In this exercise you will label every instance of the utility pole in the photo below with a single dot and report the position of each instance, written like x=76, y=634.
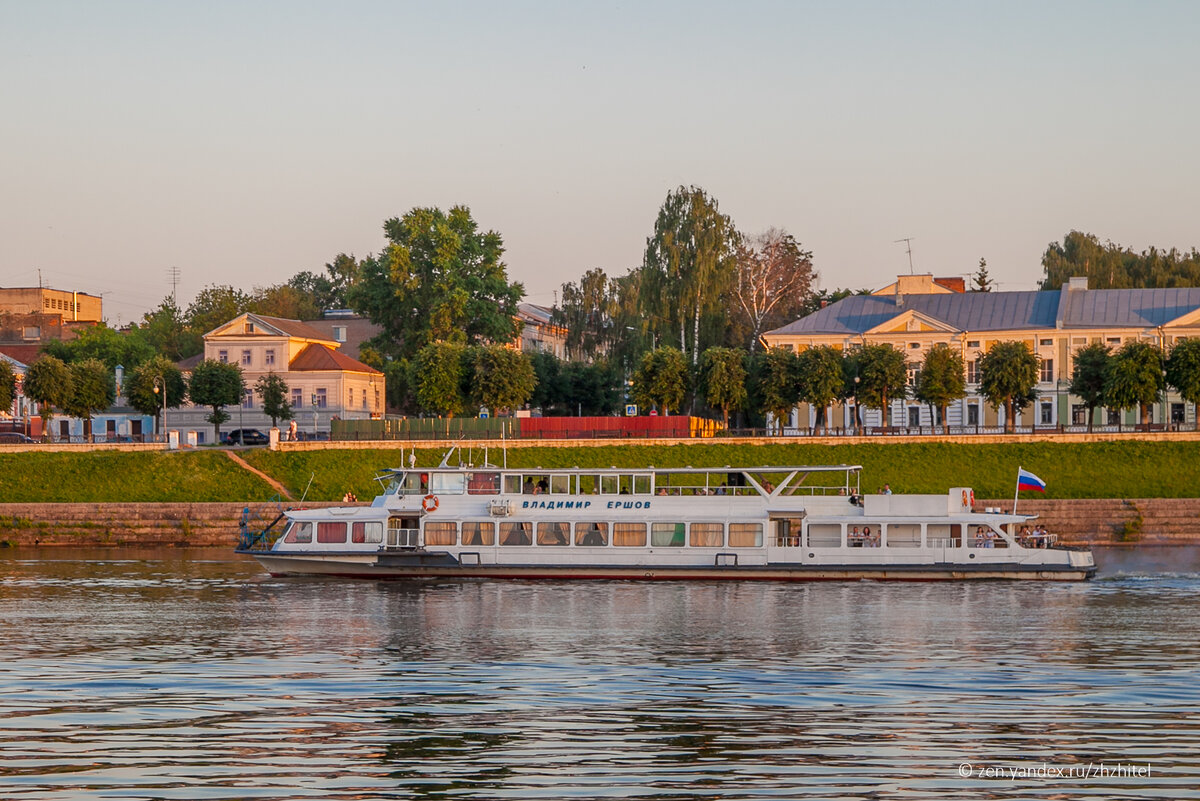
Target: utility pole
x=908, y=243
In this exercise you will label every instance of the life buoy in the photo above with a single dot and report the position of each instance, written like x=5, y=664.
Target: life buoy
x=972, y=498
x=964, y=498
x=429, y=503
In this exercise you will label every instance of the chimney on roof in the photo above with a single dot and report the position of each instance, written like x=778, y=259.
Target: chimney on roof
x=1077, y=282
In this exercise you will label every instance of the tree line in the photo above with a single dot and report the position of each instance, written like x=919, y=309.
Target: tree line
x=1109, y=265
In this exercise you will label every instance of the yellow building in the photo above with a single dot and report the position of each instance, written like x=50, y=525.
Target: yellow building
x=73, y=307
x=916, y=313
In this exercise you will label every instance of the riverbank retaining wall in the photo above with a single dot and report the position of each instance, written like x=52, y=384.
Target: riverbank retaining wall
x=1153, y=521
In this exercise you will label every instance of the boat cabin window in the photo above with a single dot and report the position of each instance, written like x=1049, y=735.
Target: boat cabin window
x=825, y=535
x=555, y=533
x=591, y=534
x=903, y=535
x=629, y=535
x=560, y=485
x=331, y=532
x=411, y=483
x=516, y=533
x=478, y=533
x=667, y=535
x=298, y=532
x=944, y=535
x=745, y=535
x=441, y=532
x=447, y=483
x=610, y=485
x=641, y=485
x=985, y=537
x=707, y=535
x=483, y=484
x=366, y=532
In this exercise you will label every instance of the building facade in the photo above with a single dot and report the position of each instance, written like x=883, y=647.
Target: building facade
x=916, y=314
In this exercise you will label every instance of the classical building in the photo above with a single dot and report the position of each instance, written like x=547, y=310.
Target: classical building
x=323, y=382
x=916, y=313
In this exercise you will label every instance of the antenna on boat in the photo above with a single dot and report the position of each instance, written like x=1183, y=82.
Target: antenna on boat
x=306, y=489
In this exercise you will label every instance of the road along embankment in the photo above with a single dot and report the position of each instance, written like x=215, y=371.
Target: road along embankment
x=1149, y=521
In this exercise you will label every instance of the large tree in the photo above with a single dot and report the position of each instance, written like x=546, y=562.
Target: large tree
x=167, y=331
x=1183, y=369
x=587, y=312
x=723, y=377
x=93, y=389
x=776, y=386
x=661, y=379
x=983, y=282
x=687, y=270
x=942, y=379
x=328, y=290
x=1089, y=375
x=145, y=385
x=438, y=279
x=48, y=384
x=1008, y=376
x=1112, y=266
x=1135, y=378
x=214, y=306
x=216, y=385
x=882, y=376
x=438, y=370
x=103, y=344
x=820, y=380
x=8, y=385
x=773, y=280
x=503, y=378
x=273, y=390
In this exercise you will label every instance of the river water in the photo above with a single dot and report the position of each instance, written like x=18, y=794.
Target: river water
x=193, y=675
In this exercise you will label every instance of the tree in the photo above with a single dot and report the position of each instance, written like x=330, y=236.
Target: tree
x=1111, y=266
x=438, y=280
x=103, y=344
x=504, y=378
x=1183, y=369
x=723, y=376
x=823, y=297
x=284, y=300
x=687, y=269
x=1008, y=375
x=216, y=385
x=1089, y=376
x=8, y=385
x=883, y=376
x=942, y=379
x=776, y=387
x=591, y=389
x=48, y=383
x=1135, y=378
x=587, y=312
x=662, y=379
x=439, y=372
x=328, y=290
x=140, y=387
x=216, y=305
x=819, y=379
x=93, y=389
x=774, y=278
x=165, y=330
x=983, y=283
x=274, y=393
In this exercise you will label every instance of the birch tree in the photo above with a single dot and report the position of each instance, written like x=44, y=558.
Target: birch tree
x=773, y=281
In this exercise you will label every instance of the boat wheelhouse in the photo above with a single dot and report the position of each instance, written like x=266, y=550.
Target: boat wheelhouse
x=772, y=523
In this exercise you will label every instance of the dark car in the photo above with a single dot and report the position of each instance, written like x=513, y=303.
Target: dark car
x=245, y=436
x=15, y=438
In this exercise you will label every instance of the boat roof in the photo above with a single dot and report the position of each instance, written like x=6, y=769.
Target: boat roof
x=839, y=468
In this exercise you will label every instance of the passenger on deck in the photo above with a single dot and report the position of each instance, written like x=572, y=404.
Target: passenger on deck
x=527, y=488
x=856, y=538
x=593, y=537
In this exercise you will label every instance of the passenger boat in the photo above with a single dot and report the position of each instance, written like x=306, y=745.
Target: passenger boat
x=791, y=523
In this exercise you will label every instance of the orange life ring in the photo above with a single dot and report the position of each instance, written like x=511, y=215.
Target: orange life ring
x=972, y=498
x=429, y=503
x=964, y=497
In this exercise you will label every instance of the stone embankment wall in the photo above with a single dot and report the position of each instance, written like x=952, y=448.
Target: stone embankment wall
x=1155, y=521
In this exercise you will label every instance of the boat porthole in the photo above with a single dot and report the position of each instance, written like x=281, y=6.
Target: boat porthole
x=812, y=556
x=972, y=556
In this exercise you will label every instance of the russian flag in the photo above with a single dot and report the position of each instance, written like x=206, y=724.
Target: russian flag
x=1028, y=481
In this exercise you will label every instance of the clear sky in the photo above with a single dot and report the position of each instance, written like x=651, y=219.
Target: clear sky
x=242, y=142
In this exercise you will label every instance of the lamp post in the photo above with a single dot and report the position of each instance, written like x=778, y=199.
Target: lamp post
x=160, y=388
x=857, y=421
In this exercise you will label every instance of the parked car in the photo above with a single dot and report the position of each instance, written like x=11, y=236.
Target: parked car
x=245, y=436
x=15, y=438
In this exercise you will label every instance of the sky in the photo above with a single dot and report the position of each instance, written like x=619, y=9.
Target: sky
x=243, y=142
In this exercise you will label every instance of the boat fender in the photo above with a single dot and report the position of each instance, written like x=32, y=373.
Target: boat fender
x=429, y=503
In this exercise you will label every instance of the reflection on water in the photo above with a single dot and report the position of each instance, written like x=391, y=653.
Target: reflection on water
x=186, y=675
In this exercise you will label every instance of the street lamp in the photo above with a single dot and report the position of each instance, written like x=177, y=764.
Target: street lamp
x=857, y=421
x=160, y=388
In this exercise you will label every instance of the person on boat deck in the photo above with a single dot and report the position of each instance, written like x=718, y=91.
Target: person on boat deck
x=866, y=537
x=887, y=489
x=593, y=536
x=980, y=536
x=855, y=538
x=527, y=488
x=349, y=497
x=519, y=535
x=661, y=491
x=543, y=486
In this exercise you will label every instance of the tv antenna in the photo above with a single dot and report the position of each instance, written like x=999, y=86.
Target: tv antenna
x=908, y=248
x=173, y=274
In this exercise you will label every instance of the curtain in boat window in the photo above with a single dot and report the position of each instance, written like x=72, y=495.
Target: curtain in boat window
x=629, y=535
x=707, y=535
x=745, y=535
x=591, y=534
x=331, y=532
x=667, y=535
x=478, y=533
x=441, y=532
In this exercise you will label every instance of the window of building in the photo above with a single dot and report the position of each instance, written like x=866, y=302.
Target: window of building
x=331, y=532
x=248, y=398
x=478, y=533
x=972, y=414
x=297, y=398
x=1177, y=413
x=1078, y=414
x=707, y=535
x=667, y=535
x=1047, y=370
x=364, y=400
x=1114, y=340
x=376, y=400
x=32, y=332
x=629, y=535
x=1046, y=343
x=914, y=416
x=593, y=535
x=320, y=395
x=270, y=358
x=367, y=532
x=914, y=345
x=441, y=532
x=1114, y=417
x=350, y=401
x=339, y=333
x=554, y=533
x=745, y=535
x=973, y=371
x=1047, y=414
x=245, y=358
x=223, y=356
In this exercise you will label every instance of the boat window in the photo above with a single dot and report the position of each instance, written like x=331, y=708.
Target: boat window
x=629, y=535
x=985, y=537
x=408, y=484
x=589, y=485
x=591, y=534
x=667, y=535
x=299, y=532
x=366, y=532
x=641, y=485
x=447, y=483
x=483, y=483
x=745, y=535
x=609, y=485
x=512, y=485
x=478, y=533
x=943, y=535
x=554, y=533
x=560, y=485
x=707, y=535
x=516, y=533
x=824, y=535
x=441, y=532
x=331, y=532
x=903, y=535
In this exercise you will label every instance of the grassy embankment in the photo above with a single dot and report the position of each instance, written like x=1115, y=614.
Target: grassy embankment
x=1072, y=470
